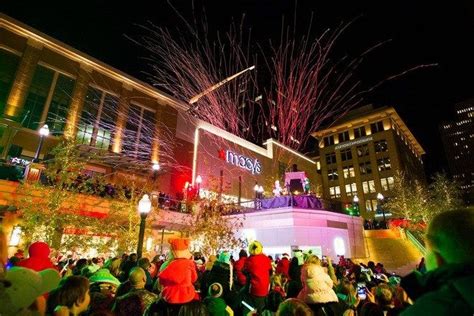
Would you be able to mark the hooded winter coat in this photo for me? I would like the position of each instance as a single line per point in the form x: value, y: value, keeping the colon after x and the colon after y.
x: 448, y: 290
x: 259, y: 268
x: 177, y: 280
x: 317, y: 285
x: 38, y: 257
x: 283, y: 266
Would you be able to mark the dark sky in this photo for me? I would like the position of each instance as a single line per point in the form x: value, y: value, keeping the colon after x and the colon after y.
x: 422, y: 32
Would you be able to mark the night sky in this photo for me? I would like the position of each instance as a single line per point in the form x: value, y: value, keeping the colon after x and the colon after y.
x: 421, y: 32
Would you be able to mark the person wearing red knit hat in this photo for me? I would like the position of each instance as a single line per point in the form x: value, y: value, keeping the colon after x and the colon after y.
x: 178, y: 277
x: 38, y: 257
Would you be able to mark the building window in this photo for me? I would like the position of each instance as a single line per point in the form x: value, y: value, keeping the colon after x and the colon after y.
x: 381, y: 146
x: 370, y: 205
x: 37, y: 96
x: 139, y: 132
x: 359, y: 132
x: 368, y: 186
x: 376, y: 127
x: 330, y: 158
x: 351, y: 189
x: 335, y: 192
x: 48, y: 100
x: 362, y: 150
x: 59, y: 106
x: 344, y: 136
x: 328, y: 140
x: 98, y: 117
x: 365, y: 168
x: 8, y: 65
x: 384, y: 164
x: 387, y: 183
x: 348, y: 172
x: 346, y: 154
x: 332, y: 174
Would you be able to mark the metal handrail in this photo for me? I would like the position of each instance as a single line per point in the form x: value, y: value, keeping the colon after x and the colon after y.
x: 415, y: 242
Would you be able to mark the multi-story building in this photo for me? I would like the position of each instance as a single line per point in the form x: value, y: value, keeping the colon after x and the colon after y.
x: 458, y: 142
x: 361, y: 152
x: 46, y: 82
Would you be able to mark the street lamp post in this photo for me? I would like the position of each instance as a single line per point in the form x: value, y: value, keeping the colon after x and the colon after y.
x: 144, y: 207
x: 379, y: 202
x: 255, y: 188
x: 44, y: 131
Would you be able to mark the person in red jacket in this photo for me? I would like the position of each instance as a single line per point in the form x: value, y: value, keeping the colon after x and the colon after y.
x: 258, y: 267
x: 241, y: 278
x: 38, y: 257
x: 283, y: 265
x: 178, y: 277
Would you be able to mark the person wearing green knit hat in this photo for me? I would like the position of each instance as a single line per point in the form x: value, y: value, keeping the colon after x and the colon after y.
x: 214, y: 302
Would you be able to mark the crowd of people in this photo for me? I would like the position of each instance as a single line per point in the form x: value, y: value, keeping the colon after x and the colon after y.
x: 253, y: 284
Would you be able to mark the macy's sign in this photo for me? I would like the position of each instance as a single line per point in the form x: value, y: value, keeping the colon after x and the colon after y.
x: 252, y: 165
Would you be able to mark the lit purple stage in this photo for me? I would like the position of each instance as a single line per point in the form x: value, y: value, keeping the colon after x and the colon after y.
x: 297, y: 201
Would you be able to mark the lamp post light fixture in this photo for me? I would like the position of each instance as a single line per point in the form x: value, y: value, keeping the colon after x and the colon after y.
x: 44, y: 132
x: 198, y: 183
x: 155, y: 167
x: 379, y: 204
x: 15, y: 236
x: 255, y: 188
x: 144, y: 208
x: 260, y: 192
x: 355, y: 205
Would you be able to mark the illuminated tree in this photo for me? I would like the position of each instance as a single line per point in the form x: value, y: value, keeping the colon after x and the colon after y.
x: 445, y: 195
x: 213, y: 228
x: 59, y: 206
x: 417, y: 202
x: 409, y: 199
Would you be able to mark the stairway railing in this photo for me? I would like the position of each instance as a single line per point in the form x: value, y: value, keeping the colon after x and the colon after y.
x: 415, y: 242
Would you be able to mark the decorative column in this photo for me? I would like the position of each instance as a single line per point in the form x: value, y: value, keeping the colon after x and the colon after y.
x: 24, y: 75
x: 77, y: 101
x: 165, y: 116
x: 121, y: 118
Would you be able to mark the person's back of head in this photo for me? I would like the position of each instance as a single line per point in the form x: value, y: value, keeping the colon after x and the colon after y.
x: 294, y: 270
x: 144, y: 263
x: 74, y: 293
x: 383, y: 295
x: 243, y: 253
x: 449, y: 238
x: 137, y: 278
x: 312, y: 259
x: 129, y: 305
x: 195, y: 308
x: 294, y: 307
x: 132, y: 257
